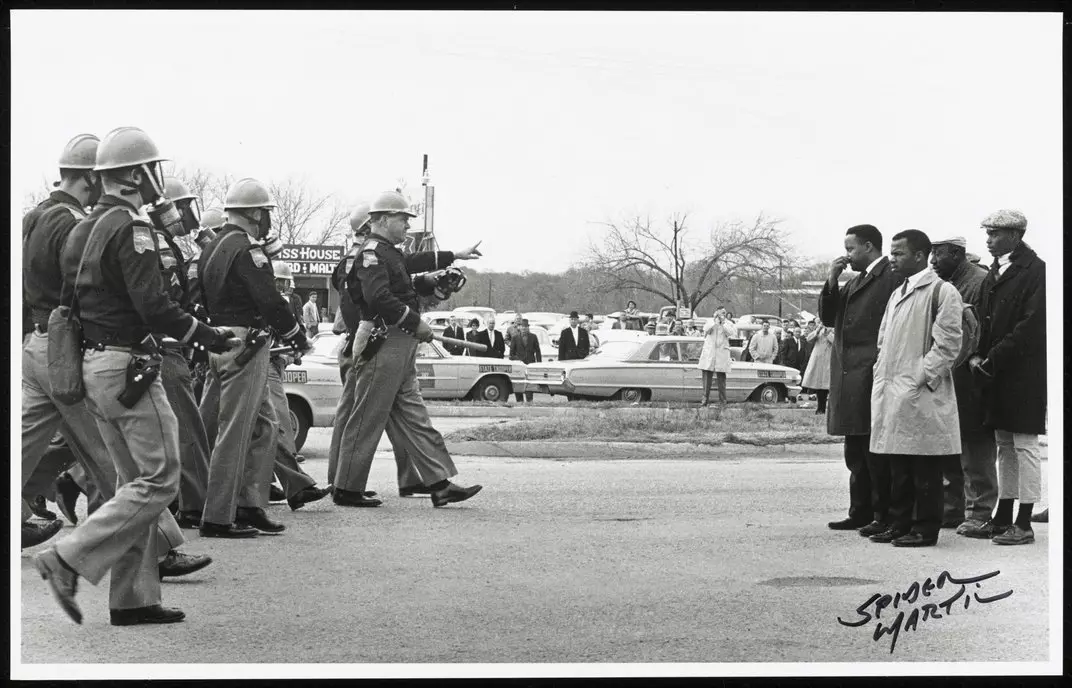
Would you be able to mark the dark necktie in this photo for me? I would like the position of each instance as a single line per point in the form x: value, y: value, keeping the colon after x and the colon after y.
x: 904, y: 288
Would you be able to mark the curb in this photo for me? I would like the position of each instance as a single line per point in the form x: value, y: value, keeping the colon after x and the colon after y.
x: 550, y: 411
x: 597, y: 451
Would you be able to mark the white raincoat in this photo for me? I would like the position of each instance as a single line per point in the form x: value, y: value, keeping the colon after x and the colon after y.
x: 913, y: 407
x: 715, y: 355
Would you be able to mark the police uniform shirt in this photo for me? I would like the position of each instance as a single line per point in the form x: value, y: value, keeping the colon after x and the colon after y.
x: 351, y: 314
x: 121, y: 296
x: 238, y: 284
x: 45, y: 231
x: 380, y: 284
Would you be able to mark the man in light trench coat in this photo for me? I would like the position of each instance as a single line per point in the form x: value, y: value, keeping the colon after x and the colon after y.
x: 913, y: 404
x: 855, y: 311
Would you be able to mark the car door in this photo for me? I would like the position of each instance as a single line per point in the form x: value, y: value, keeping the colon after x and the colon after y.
x: 691, y: 375
x: 664, y: 372
x: 433, y: 372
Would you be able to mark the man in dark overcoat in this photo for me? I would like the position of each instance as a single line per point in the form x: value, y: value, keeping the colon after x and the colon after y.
x: 855, y: 312
x: 1010, y: 364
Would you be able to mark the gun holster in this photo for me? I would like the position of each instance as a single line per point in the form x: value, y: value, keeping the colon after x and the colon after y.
x: 376, y: 339
x: 255, y: 341
x: 141, y: 372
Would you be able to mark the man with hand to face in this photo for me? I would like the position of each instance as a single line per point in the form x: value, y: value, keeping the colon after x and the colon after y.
x: 855, y: 312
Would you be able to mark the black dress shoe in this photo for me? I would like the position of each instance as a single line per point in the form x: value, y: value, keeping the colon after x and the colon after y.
x: 229, y: 530
x: 952, y: 523
x: 1042, y: 516
x: 40, y: 509
x: 146, y: 615
x: 874, y: 528
x: 177, y: 564
x: 309, y: 494
x: 887, y: 536
x: 414, y: 490
x: 276, y: 494
x: 348, y: 498
x: 452, y: 494
x: 33, y: 534
x: 67, y: 494
x: 847, y: 524
x: 915, y: 540
x: 256, y: 517
x: 188, y: 519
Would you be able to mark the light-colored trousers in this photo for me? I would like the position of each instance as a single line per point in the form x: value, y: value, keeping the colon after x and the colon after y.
x: 144, y: 445
x: 287, y: 469
x: 387, y: 396
x: 408, y: 475
x: 94, y: 469
x: 1019, y: 466
x: 193, y: 439
x: 240, y: 469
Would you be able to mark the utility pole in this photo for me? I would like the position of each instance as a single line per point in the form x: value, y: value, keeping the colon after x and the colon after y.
x: 779, y: 287
x: 489, y: 291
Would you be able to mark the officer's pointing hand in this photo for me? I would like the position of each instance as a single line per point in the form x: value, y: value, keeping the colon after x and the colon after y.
x: 469, y: 253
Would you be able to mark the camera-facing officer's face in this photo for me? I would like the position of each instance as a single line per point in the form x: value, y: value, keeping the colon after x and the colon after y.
x: 394, y: 227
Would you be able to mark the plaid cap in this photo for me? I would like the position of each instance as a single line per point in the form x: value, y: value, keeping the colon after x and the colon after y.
x: 1006, y: 219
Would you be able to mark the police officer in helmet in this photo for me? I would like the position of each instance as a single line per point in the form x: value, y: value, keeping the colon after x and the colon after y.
x: 386, y: 389
x: 240, y: 293
x: 357, y: 330
x: 111, y: 267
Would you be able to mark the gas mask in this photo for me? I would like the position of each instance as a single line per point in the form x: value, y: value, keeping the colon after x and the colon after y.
x: 151, y: 187
x: 166, y: 217
x: 96, y: 188
x: 190, y: 212
x: 264, y: 224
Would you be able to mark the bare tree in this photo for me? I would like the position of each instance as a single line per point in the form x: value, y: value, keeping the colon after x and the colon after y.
x: 668, y: 263
x: 31, y: 199
x: 296, y: 209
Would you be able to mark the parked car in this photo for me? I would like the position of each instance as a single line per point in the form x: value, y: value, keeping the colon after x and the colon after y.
x: 314, y: 387
x: 753, y: 322
x: 659, y: 369
x: 547, y: 351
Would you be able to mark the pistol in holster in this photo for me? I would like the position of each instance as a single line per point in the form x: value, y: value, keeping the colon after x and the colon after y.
x: 255, y: 340
x: 377, y: 335
x: 142, y: 371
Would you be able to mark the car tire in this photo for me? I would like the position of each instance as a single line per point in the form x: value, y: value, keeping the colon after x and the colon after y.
x: 300, y: 420
x: 491, y: 389
x: 632, y: 395
x: 768, y: 394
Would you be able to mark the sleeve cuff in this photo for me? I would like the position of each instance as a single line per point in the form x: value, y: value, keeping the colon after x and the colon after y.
x: 290, y: 333
x: 185, y: 339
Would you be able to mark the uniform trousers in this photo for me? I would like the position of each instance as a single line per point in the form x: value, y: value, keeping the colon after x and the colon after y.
x: 95, y: 469
x: 290, y: 474
x: 240, y: 467
x: 916, y: 492
x: 387, y: 397
x: 408, y: 476
x: 869, y: 480
x: 1019, y: 466
x: 57, y: 459
x: 193, y: 439
x: 144, y: 445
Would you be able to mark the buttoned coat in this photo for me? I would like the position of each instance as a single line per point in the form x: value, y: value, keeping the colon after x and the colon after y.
x: 715, y: 355
x: 1012, y: 314
x: 913, y: 404
x: 817, y: 373
x: 855, y: 312
x: 968, y: 279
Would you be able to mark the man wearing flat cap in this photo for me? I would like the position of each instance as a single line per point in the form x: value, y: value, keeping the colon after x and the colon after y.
x: 972, y: 490
x: 1010, y: 366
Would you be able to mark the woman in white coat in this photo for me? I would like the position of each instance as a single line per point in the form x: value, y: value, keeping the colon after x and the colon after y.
x: 715, y: 356
x: 817, y: 374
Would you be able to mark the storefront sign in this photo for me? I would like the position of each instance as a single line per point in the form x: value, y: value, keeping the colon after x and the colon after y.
x: 306, y: 259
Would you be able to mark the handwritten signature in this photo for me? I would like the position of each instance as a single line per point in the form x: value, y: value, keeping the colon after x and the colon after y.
x: 916, y: 592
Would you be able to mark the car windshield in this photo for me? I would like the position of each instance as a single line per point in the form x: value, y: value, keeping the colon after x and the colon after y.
x: 326, y: 346
x: 616, y: 350
x: 426, y: 350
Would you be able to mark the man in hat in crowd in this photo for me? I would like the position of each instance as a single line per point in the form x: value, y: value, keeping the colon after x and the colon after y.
x: 573, y: 343
x: 972, y: 489
x: 1010, y: 365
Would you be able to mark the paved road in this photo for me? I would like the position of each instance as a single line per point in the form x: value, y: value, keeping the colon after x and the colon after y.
x: 568, y: 561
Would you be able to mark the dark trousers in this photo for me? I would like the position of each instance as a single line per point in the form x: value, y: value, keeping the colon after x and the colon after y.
x: 527, y: 396
x: 820, y: 398
x: 916, y: 497
x: 952, y: 489
x: 869, y: 480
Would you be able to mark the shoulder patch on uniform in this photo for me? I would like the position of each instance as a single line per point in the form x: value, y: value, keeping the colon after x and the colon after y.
x: 258, y: 256
x: 349, y: 264
x: 369, y: 258
x: 191, y: 271
x: 143, y: 239
x: 371, y: 245
x: 161, y: 242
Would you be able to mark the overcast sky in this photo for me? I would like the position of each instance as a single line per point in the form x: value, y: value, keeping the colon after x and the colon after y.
x: 539, y: 125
